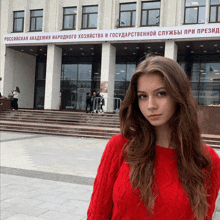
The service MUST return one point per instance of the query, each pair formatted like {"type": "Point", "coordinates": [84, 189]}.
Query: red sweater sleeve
{"type": "Point", "coordinates": [215, 182]}
{"type": "Point", "coordinates": [101, 201]}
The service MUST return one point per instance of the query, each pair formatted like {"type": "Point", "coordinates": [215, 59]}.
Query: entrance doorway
{"type": "Point", "coordinates": [40, 78]}
{"type": "Point", "coordinates": [77, 78]}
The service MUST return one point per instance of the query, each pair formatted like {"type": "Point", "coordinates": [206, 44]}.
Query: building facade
{"type": "Point", "coordinates": [57, 50]}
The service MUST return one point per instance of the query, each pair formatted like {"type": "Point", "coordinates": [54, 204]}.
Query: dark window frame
{"type": "Point", "coordinates": [131, 14]}
{"type": "Point", "coordinates": [186, 7]}
{"type": "Point", "coordinates": [155, 9]}
{"type": "Point", "coordinates": [36, 20]}
{"type": "Point", "coordinates": [73, 15]}
{"type": "Point", "coordinates": [87, 17]}
{"type": "Point", "coordinates": [216, 16]}
{"type": "Point", "coordinates": [17, 19]}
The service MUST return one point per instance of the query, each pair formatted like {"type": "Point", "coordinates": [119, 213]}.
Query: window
{"type": "Point", "coordinates": [127, 15]}
{"type": "Point", "coordinates": [89, 17]}
{"type": "Point", "coordinates": [69, 18]}
{"type": "Point", "coordinates": [214, 11]}
{"type": "Point", "coordinates": [206, 83]}
{"type": "Point", "coordinates": [150, 13]}
{"type": "Point", "coordinates": [18, 24]}
{"type": "Point", "coordinates": [195, 11]}
{"type": "Point", "coordinates": [36, 20]}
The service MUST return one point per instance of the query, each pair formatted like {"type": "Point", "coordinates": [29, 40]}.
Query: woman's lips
{"type": "Point", "coordinates": [155, 116]}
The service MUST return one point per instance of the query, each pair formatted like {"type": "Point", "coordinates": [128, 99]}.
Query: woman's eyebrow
{"type": "Point", "coordinates": [159, 89]}
{"type": "Point", "coordinates": [153, 90]}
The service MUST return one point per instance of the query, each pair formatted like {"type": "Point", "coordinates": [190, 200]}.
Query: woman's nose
{"type": "Point", "coordinates": [151, 103]}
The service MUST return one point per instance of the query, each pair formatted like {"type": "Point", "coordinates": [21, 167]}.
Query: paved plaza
{"type": "Point", "coordinates": [49, 177]}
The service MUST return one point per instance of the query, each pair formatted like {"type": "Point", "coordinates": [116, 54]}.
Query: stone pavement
{"type": "Point", "coordinates": [49, 177]}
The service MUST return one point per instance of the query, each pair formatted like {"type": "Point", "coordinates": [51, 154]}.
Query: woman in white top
{"type": "Point", "coordinates": [15, 98]}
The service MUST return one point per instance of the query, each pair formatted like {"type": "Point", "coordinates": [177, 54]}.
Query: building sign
{"type": "Point", "coordinates": [134, 34]}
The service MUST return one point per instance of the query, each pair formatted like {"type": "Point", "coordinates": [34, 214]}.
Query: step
{"type": "Point", "coordinates": [71, 123]}
{"type": "Point", "coordinates": [49, 112]}
{"type": "Point", "coordinates": [66, 122]}
{"type": "Point", "coordinates": [214, 144]}
{"type": "Point", "coordinates": [58, 133]}
{"type": "Point", "coordinates": [60, 118]}
{"type": "Point", "coordinates": [54, 131]}
{"type": "Point", "coordinates": [2, 122]}
{"type": "Point", "coordinates": [61, 123]}
{"type": "Point", "coordinates": [211, 140]}
{"type": "Point", "coordinates": [64, 115]}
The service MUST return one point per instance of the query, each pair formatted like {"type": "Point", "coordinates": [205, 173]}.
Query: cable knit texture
{"type": "Point", "coordinates": [113, 197]}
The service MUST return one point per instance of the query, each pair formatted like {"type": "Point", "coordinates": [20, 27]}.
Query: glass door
{"type": "Point", "coordinates": [40, 85]}
{"type": "Point", "coordinates": [84, 84]}
{"type": "Point", "coordinates": [75, 82]}
{"type": "Point", "coordinates": [69, 86]}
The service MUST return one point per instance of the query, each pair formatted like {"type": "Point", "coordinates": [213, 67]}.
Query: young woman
{"type": "Point", "coordinates": [157, 167]}
{"type": "Point", "coordinates": [15, 93]}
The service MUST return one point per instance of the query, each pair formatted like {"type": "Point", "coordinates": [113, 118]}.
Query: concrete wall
{"type": "Point", "coordinates": [24, 78]}
{"type": "Point", "coordinates": [20, 71]}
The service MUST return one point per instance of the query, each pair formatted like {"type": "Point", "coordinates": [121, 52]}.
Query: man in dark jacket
{"type": "Point", "coordinates": [88, 102]}
{"type": "Point", "coordinates": [93, 103]}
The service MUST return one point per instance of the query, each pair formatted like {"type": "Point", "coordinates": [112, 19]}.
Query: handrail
{"type": "Point", "coordinates": [98, 103]}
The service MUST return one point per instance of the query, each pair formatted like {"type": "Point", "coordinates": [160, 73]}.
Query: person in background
{"type": "Point", "coordinates": [98, 102]}
{"type": "Point", "coordinates": [15, 93]}
{"type": "Point", "coordinates": [158, 167]}
{"type": "Point", "coordinates": [102, 103]}
{"type": "Point", "coordinates": [88, 102]}
{"type": "Point", "coordinates": [93, 104]}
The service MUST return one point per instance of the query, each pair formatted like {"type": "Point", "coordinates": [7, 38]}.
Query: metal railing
{"type": "Point", "coordinates": [99, 102]}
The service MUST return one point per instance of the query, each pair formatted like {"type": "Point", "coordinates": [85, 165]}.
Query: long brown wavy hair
{"type": "Point", "coordinates": [140, 153]}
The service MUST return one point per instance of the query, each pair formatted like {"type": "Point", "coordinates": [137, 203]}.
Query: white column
{"type": "Point", "coordinates": [105, 15]}
{"type": "Point", "coordinates": [27, 17]}
{"type": "Point", "coordinates": [138, 14]}
{"type": "Point", "coordinates": [78, 4]}
{"type": "Point", "coordinates": [169, 13]}
{"type": "Point", "coordinates": [207, 11]}
{"type": "Point", "coordinates": [6, 55]}
{"type": "Point", "coordinates": [7, 71]}
{"type": "Point", "coordinates": [171, 49]}
{"type": "Point", "coordinates": [108, 75]}
{"type": "Point", "coordinates": [53, 71]}
{"type": "Point", "coordinates": [162, 16]}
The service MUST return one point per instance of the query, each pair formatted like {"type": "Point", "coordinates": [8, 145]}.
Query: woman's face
{"type": "Point", "coordinates": [157, 106]}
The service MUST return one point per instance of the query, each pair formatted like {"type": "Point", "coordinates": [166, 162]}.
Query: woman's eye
{"type": "Point", "coordinates": [141, 96]}
{"type": "Point", "coordinates": [162, 93]}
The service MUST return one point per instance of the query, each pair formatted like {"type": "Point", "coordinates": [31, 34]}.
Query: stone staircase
{"type": "Point", "coordinates": [70, 123]}
{"type": "Point", "coordinates": [212, 140]}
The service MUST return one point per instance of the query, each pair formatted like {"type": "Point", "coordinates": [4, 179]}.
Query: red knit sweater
{"type": "Point", "coordinates": [113, 198]}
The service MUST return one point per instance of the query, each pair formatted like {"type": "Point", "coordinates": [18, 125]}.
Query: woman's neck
{"type": "Point", "coordinates": [163, 137]}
